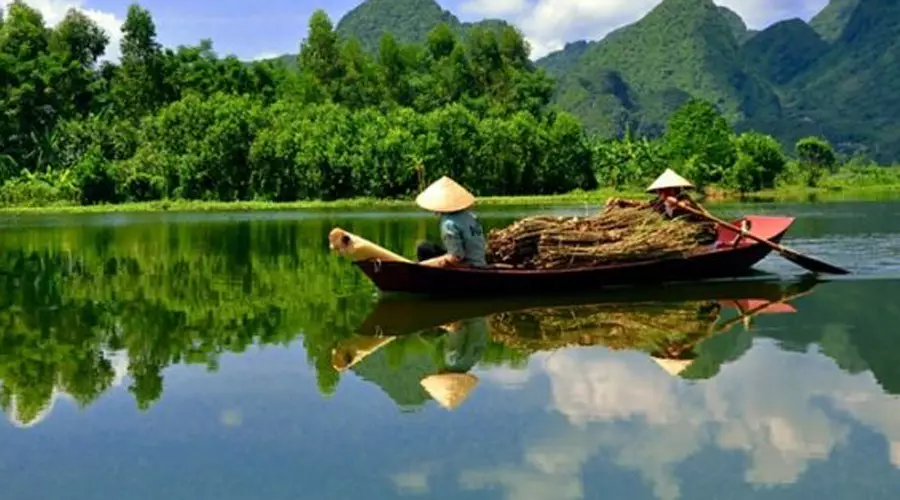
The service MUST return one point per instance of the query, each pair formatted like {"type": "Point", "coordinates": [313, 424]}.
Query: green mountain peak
{"type": "Point", "coordinates": [407, 20]}
{"type": "Point", "coordinates": [830, 22]}
{"type": "Point", "coordinates": [681, 48]}
{"type": "Point", "coordinates": [784, 50]}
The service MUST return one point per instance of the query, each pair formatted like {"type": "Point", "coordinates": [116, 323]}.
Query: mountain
{"type": "Point", "coordinates": [641, 73]}
{"type": "Point", "coordinates": [408, 20]}
{"type": "Point", "coordinates": [784, 50]}
{"type": "Point", "coordinates": [835, 76]}
{"type": "Point", "coordinates": [830, 22]}
{"type": "Point", "coordinates": [737, 25]}
{"type": "Point", "coordinates": [853, 88]}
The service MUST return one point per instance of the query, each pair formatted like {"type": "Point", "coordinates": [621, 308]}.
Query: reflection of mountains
{"type": "Point", "coordinates": [409, 345]}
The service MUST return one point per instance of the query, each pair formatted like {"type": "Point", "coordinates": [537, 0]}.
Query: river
{"type": "Point", "coordinates": [225, 356]}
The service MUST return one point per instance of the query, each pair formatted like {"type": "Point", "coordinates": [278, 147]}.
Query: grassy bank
{"type": "Point", "coordinates": [833, 192]}
{"type": "Point", "coordinates": [338, 205]}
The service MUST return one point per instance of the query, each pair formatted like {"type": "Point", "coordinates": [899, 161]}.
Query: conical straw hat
{"type": "Point", "coordinates": [669, 179]}
{"type": "Point", "coordinates": [674, 367]}
{"type": "Point", "coordinates": [450, 389]}
{"type": "Point", "coordinates": [445, 195]}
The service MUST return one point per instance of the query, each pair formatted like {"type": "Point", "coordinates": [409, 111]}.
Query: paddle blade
{"type": "Point", "coordinates": [810, 263]}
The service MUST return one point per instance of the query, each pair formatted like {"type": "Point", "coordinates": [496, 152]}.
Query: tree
{"type": "Point", "coordinates": [760, 160]}
{"type": "Point", "coordinates": [139, 86]}
{"type": "Point", "coordinates": [816, 157]}
{"type": "Point", "coordinates": [78, 42]}
{"type": "Point", "coordinates": [698, 140]}
{"type": "Point", "coordinates": [320, 54]}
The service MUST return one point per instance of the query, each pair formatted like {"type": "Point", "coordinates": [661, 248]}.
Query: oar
{"type": "Point", "coordinates": [804, 261]}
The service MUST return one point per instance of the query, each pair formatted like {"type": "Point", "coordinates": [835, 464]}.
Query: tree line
{"type": "Point", "coordinates": [165, 123]}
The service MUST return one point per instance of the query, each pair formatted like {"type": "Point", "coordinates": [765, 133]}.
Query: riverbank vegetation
{"type": "Point", "coordinates": [179, 128]}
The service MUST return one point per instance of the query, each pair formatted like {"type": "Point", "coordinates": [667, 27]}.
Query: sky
{"type": "Point", "coordinates": [272, 27]}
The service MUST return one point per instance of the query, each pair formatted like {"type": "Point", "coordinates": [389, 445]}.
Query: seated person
{"type": "Point", "coordinates": [668, 184]}
{"type": "Point", "coordinates": [461, 233]}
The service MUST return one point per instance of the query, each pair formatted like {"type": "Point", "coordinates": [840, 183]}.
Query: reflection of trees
{"type": "Point", "coordinates": [161, 294]}
{"type": "Point", "coordinates": [855, 325]}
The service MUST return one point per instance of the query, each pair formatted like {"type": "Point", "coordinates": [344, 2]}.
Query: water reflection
{"type": "Point", "coordinates": [220, 358]}
{"type": "Point", "coordinates": [747, 407]}
{"type": "Point", "coordinates": [409, 342]}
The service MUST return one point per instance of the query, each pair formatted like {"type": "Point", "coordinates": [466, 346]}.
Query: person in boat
{"type": "Point", "coordinates": [461, 232]}
{"type": "Point", "coordinates": [668, 185]}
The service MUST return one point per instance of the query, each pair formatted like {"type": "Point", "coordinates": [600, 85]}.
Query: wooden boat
{"type": "Point", "coordinates": [394, 273]}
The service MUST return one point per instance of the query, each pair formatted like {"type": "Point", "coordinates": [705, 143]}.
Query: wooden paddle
{"type": "Point", "coordinates": [804, 261]}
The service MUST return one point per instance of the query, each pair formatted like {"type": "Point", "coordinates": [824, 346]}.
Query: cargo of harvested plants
{"type": "Point", "coordinates": [614, 235]}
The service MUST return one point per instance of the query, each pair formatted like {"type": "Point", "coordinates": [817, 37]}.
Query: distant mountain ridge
{"type": "Point", "coordinates": [407, 20]}
{"type": "Point", "coordinates": [833, 76]}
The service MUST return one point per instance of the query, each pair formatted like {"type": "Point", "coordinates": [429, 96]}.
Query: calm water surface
{"type": "Point", "coordinates": [228, 356]}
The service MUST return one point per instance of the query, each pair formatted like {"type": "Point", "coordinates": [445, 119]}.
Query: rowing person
{"type": "Point", "coordinates": [667, 186]}
{"type": "Point", "coordinates": [461, 233]}
{"type": "Point", "coordinates": [671, 198]}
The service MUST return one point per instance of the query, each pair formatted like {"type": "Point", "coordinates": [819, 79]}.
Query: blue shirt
{"type": "Point", "coordinates": [463, 237]}
{"type": "Point", "coordinates": [464, 347]}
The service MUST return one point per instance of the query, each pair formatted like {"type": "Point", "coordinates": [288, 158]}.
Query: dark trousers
{"type": "Point", "coordinates": [427, 250]}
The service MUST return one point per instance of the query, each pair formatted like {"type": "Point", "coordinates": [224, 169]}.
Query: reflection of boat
{"type": "Point", "coordinates": [403, 314]}
{"type": "Point", "coordinates": [393, 273]}
{"type": "Point", "coordinates": [408, 344]}
{"type": "Point", "coordinates": [414, 368]}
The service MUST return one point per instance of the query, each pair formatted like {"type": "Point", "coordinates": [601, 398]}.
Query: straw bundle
{"type": "Point", "coordinates": [614, 235]}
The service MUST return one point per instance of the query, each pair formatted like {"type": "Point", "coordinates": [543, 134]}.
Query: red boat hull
{"type": "Point", "coordinates": [722, 260]}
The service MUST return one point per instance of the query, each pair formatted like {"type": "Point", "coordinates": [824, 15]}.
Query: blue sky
{"type": "Point", "coordinates": [254, 29]}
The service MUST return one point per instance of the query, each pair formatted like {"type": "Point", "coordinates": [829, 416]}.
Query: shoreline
{"type": "Point", "coordinates": [715, 196]}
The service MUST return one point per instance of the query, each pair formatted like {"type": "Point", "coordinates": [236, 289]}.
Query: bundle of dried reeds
{"type": "Point", "coordinates": [613, 235]}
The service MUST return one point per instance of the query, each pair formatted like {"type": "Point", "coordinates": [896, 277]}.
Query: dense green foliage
{"type": "Point", "coordinates": [346, 121]}
{"type": "Point", "coordinates": [187, 124]}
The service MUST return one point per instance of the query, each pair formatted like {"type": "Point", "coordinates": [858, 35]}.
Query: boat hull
{"type": "Point", "coordinates": [720, 262]}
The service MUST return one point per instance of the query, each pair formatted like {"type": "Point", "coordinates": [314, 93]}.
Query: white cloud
{"type": "Point", "coordinates": [549, 24]}
{"type": "Point", "coordinates": [267, 55]}
{"type": "Point", "coordinates": [781, 432]}
{"type": "Point", "coordinates": [411, 483]}
{"type": "Point", "coordinates": [55, 10]}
